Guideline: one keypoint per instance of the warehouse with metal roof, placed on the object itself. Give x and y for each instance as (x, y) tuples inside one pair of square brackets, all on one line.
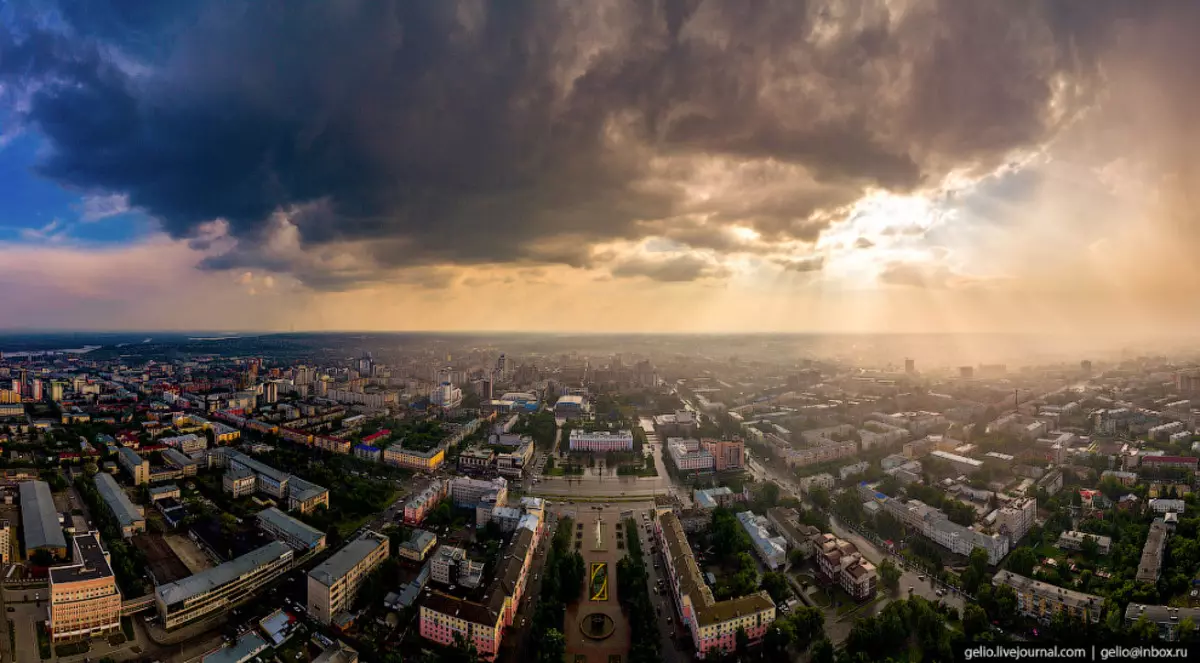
[(39, 520)]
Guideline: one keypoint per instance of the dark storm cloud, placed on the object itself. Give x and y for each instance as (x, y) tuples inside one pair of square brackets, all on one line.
[(519, 131)]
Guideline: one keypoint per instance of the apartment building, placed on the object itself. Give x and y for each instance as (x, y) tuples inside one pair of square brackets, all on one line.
[(450, 565), (1015, 519), (687, 455), (300, 536), (822, 454), (1170, 462), (333, 585), (189, 443), (1165, 617), (823, 480), (841, 562), (1150, 566), (368, 452), (332, 444), (512, 463), (772, 550), (137, 467), (6, 539), (178, 460), (267, 479), (305, 496), (935, 526), (443, 617), (419, 505), (423, 461), (467, 492), (1126, 479), (84, 599), (130, 517), (726, 454), (798, 536), (238, 482), (1041, 600), (600, 441), (418, 546), (712, 624), (222, 587), (1073, 540)]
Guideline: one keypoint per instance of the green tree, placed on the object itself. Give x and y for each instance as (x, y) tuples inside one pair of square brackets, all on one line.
[(1187, 630), (1022, 560), (889, 574), (822, 651), (776, 584), (1144, 630), (819, 496), (742, 641), (1090, 548), (974, 621), (779, 637), (552, 647)]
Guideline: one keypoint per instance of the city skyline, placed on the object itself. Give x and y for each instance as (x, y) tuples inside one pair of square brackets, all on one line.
[(617, 167)]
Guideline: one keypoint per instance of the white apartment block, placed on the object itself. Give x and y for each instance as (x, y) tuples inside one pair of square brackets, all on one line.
[(1017, 518)]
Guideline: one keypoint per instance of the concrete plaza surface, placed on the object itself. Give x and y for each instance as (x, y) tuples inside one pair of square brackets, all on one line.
[(578, 644)]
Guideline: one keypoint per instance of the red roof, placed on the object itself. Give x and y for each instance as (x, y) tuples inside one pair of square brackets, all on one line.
[(376, 436)]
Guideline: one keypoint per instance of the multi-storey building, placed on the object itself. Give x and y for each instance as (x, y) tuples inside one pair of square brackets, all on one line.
[(600, 441), (333, 585), (1126, 479), (84, 599), (1170, 462), (39, 520), (512, 463), (1073, 540), (467, 492), (423, 461), (772, 550), (688, 456), (332, 444), (712, 624), (798, 536), (177, 460), (822, 454), (130, 517), (298, 535), (443, 617), (935, 526), (726, 454), (476, 460), (238, 482), (418, 546), (451, 566), (368, 452), (419, 505), (186, 443), (841, 562), (1166, 618), (1015, 519), (6, 537), (306, 496), (1150, 565), (221, 587), (137, 467), (1041, 600)]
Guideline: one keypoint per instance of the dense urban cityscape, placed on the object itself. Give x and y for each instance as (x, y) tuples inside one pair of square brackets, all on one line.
[(448, 499)]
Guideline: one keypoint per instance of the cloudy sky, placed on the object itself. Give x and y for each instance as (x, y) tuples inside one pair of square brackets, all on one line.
[(680, 165)]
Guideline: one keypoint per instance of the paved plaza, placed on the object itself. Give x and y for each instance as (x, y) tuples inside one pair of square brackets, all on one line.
[(600, 582)]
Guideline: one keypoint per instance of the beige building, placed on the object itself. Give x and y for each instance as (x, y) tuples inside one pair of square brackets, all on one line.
[(6, 536), (84, 599), (1042, 600), (333, 585), (238, 482)]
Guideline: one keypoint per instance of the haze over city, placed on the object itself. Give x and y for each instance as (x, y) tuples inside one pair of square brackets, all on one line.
[(678, 166)]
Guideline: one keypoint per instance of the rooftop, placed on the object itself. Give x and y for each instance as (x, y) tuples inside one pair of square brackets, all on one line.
[(90, 562), (249, 644), (126, 513), (1044, 589), (39, 518), (303, 532), (177, 592), (337, 566)]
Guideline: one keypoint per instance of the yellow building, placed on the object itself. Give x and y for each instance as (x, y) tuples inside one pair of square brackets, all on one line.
[(84, 599), (426, 461), (1042, 600)]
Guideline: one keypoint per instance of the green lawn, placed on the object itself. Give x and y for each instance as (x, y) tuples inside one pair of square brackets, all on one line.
[(43, 640)]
